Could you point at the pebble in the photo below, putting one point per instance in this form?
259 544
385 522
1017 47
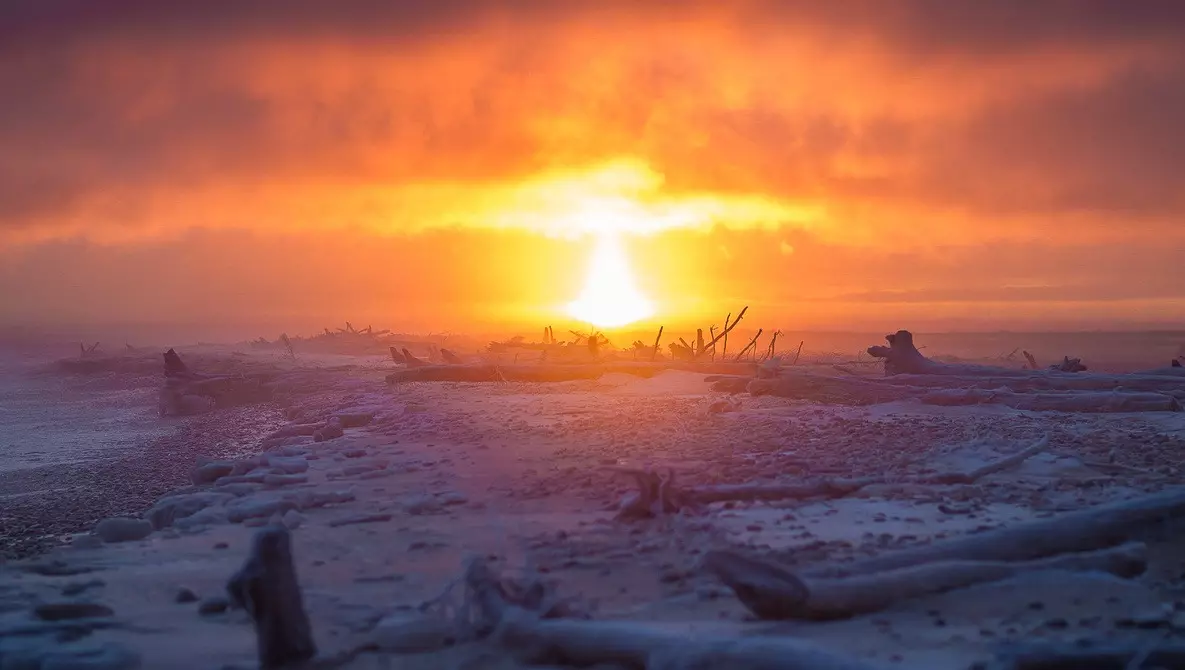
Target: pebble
422 505
292 519
287 466
413 634
185 595
123 529
209 472
330 431
74 588
86 541
284 480
213 605
90 656
168 510
71 610
360 518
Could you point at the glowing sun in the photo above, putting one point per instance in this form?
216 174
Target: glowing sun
609 298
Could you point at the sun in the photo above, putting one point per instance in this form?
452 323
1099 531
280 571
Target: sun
610 298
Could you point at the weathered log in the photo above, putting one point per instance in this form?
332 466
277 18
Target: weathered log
773 592
902 357
1102 393
823 388
1073 401
658 493
991 468
1083 530
729 383
633 644
450 358
546 372
266 587
396 356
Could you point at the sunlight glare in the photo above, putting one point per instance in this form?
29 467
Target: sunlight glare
609 298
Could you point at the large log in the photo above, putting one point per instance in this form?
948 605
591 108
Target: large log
1103 393
773 592
632 644
552 372
825 388
1083 530
659 493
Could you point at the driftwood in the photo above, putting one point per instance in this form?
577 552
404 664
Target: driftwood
632 644
1157 390
1069 365
724 334
773 592
396 356
547 372
991 468
751 345
450 358
189 392
266 587
659 493
1083 530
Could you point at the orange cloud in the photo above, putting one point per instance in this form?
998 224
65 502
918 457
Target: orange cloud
906 127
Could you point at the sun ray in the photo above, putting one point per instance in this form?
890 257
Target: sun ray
610 298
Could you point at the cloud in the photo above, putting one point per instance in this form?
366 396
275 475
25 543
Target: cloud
1028 150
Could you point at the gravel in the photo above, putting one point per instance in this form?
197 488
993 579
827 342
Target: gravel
40 507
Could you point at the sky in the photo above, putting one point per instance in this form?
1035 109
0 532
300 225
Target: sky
854 164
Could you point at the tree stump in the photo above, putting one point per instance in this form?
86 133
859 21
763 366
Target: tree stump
267 589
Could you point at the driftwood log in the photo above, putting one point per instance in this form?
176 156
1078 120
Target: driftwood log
1079 531
637 645
659 493
552 372
1161 390
190 392
773 592
266 587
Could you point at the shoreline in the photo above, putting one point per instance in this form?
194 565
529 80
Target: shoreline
119 470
